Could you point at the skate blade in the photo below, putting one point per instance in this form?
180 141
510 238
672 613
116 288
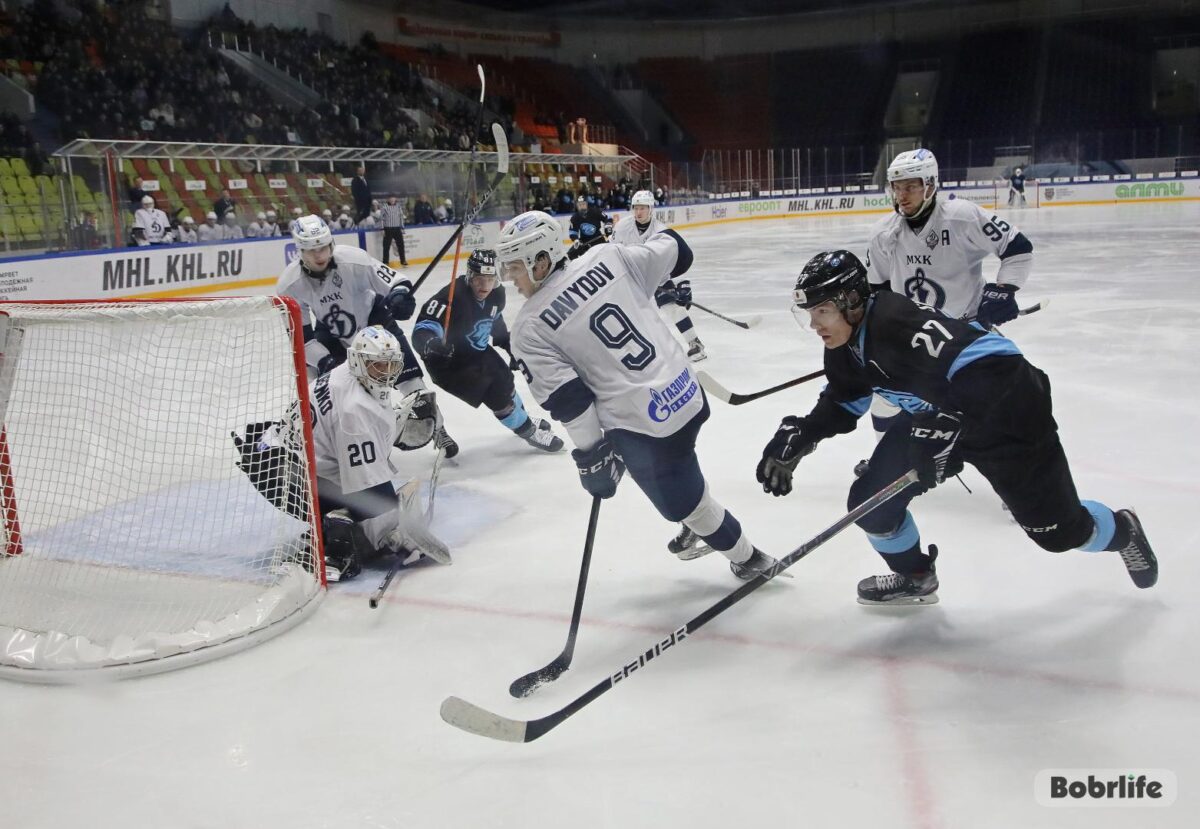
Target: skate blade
906 601
693 553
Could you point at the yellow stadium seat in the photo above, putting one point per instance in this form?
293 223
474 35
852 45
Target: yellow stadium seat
18 166
5 170
10 186
28 186
9 229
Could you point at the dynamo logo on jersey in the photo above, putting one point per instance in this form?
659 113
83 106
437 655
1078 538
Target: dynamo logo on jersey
665 402
480 334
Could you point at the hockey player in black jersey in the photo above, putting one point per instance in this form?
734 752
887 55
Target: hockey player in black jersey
967 395
589 226
464 362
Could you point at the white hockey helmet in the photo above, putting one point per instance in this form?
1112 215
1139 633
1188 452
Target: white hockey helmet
345 208
261 216
528 236
230 217
211 216
376 360
188 220
271 215
642 198
314 241
915 164
147 201
327 213
297 212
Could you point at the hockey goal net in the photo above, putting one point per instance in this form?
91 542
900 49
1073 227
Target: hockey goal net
1006 197
133 541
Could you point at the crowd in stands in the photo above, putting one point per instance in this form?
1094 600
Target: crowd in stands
615 198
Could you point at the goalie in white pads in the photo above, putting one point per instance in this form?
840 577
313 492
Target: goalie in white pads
674 297
343 289
931 250
605 365
357 417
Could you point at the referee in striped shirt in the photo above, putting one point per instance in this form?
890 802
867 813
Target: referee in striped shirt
393 229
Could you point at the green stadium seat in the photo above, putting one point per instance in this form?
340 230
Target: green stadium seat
5 169
10 186
19 167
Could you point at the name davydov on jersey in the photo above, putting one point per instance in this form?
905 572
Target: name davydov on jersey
665 402
584 287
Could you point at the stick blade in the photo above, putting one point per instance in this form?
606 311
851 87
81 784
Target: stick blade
714 388
752 321
526 685
501 148
482 82
471 718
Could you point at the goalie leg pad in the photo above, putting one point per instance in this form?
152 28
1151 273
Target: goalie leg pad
346 544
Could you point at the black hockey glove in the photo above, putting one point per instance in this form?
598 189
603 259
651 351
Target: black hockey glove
998 305
683 292
600 468
931 447
513 365
781 455
326 364
400 301
666 295
437 352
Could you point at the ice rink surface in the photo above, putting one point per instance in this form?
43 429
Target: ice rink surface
798 707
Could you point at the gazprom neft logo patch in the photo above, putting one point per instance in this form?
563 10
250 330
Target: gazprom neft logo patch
1106 787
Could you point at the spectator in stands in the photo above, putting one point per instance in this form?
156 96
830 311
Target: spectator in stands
423 211
660 196
230 229
36 159
85 235
578 131
393 228
449 211
210 231
135 194
224 205
362 194
187 230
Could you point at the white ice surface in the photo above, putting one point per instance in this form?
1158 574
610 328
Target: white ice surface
797 707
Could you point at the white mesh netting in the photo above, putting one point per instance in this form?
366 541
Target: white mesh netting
132 540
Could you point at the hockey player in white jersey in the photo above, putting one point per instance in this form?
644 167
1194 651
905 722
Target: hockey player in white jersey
931 250
187 231
357 416
271 225
257 228
230 229
601 360
151 225
342 289
210 231
674 297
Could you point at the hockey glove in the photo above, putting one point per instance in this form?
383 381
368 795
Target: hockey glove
998 305
931 447
781 455
666 295
326 364
513 365
683 292
400 301
437 352
600 469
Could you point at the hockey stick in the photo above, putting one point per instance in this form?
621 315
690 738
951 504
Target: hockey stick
469 717
524 686
749 323
1033 309
732 398
470 188
501 172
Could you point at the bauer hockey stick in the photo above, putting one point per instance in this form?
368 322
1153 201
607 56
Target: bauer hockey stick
749 323
501 172
524 686
469 717
732 398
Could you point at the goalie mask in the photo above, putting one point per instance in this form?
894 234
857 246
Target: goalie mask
376 360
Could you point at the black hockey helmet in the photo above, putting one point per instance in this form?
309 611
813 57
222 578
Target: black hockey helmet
482 262
835 275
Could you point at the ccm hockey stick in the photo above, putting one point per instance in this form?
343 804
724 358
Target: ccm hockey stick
469 717
717 390
470 189
732 398
749 323
524 686
501 172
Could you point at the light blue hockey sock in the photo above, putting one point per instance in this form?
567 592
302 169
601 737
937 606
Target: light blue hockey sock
1106 527
518 417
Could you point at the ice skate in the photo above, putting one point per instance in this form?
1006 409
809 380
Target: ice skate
444 442
696 351
687 545
759 564
538 435
901 588
1139 558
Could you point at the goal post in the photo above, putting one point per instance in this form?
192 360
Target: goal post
138 536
